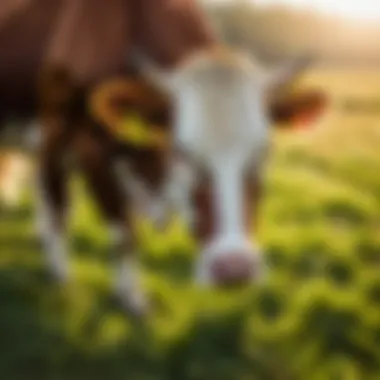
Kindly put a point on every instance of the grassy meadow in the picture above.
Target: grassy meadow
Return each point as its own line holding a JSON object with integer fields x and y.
{"x": 316, "y": 317}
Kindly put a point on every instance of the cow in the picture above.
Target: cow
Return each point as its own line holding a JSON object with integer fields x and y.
{"x": 210, "y": 105}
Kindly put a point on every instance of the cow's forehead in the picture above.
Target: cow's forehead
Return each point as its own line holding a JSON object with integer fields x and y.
{"x": 216, "y": 65}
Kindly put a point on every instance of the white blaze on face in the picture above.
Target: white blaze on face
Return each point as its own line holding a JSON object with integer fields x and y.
{"x": 221, "y": 123}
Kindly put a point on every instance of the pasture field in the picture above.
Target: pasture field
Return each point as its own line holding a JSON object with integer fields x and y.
{"x": 316, "y": 317}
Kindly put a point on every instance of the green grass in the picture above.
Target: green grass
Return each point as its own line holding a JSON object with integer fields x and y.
{"x": 316, "y": 317}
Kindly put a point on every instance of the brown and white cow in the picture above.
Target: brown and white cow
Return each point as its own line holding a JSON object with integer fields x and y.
{"x": 210, "y": 168}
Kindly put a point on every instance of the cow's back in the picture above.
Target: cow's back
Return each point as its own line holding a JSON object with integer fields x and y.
{"x": 86, "y": 38}
{"x": 24, "y": 35}
{"x": 91, "y": 38}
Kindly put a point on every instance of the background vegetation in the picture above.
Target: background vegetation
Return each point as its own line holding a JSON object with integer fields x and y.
{"x": 278, "y": 32}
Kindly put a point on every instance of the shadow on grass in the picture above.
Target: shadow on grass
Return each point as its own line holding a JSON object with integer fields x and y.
{"x": 38, "y": 339}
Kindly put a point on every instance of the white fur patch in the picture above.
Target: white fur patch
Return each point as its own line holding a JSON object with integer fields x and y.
{"x": 127, "y": 273}
{"x": 127, "y": 284}
{"x": 53, "y": 237}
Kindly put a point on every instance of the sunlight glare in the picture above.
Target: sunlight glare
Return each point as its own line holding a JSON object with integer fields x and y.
{"x": 353, "y": 9}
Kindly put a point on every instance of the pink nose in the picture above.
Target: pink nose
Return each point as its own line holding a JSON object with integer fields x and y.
{"x": 234, "y": 269}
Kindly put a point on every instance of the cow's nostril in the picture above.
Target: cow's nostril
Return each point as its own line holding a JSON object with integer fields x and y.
{"x": 234, "y": 269}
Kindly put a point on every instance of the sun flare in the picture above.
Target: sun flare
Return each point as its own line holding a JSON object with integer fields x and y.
{"x": 363, "y": 10}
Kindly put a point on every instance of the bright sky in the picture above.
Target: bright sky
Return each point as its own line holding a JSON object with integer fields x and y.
{"x": 353, "y": 9}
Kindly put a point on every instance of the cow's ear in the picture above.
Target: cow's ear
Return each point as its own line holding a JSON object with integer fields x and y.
{"x": 298, "y": 109}
{"x": 277, "y": 78}
{"x": 164, "y": 80}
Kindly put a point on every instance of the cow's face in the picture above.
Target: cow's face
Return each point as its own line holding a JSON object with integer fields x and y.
{"x": 221, "y": 135}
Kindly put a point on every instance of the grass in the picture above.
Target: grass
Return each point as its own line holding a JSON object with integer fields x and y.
{"x": 316, "y": 317}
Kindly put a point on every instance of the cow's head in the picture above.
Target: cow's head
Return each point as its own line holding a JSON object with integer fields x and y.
{"x": 222, "y": 103}
{"x": 219, "y": 138}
